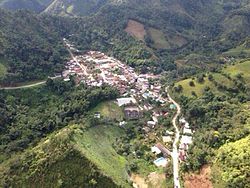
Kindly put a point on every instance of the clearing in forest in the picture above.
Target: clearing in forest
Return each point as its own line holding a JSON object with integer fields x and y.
{"x": 158, "y": 38}
{"x": 136, "y": 29}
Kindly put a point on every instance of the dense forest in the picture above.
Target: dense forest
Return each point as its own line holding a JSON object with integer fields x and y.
{"x": 29, "y": 115}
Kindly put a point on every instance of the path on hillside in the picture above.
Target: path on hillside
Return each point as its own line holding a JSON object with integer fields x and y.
{"x": 175, "y": 153}
{"x": 29, "y": 85}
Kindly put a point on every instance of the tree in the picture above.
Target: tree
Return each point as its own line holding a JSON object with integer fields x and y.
{"x": 210, "y": 77}
{"x": 193, "y": 94}
{"x": 200, "y": 79}
{"x": 178, "y": 89}
{"x": 191, "y": 83}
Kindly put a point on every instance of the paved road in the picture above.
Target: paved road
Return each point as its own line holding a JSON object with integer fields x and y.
{"x": 175, "y": 153}
{"x": 28, "y": 86}
{"x": 23, "y": 87}
{"x": 76, "y": 60}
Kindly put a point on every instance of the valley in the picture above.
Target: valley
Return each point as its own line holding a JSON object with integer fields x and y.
{"x": 131, "y": 93}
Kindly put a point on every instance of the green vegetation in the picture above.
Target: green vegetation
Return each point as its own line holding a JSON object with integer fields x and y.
{"x": 200, "y": 87}
{"x": 30, "y": 114}
{"x": 158, "y": 38}
{"x": 73, "y": 157}
{"x": 233, "y": 164}
{"x": 240, "y": 69}
{"x": 216, "y": 82}
{"x": 96, "y": 145}
{"x": 239, "y": 51}
{"x": 220, "y": 115}
{"x": 31, "y": 47}
{"x": 3, "y": 71}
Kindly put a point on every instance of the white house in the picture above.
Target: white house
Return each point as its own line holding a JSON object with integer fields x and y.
{"x": 125, "y": 101}
{"x": 155, "y": 150}
{"x": 166, "y": 139}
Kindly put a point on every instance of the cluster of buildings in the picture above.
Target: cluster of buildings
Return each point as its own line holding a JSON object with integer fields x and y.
{"x": 186, "y": 139}
{"x": 95, "y": 69}
{"x": 138, "y": 94}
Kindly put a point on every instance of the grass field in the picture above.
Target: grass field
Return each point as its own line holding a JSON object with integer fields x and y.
{"x": 239, "y": 50}
{"x": 159, "y": 39}
{"x": 233, "y": 70}
{"x": 200, "y": 87}
{"x": 96, "y": 145}
{"x": 240, "y": 68}
{"x": 109, "y": 110}
{"x": 70, "y": 9}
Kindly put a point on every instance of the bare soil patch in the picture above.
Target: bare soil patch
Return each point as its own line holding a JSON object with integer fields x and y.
{"x": 201, "y": 180}
{"x": 154, "y": 179}
{"x": 136, "y": 29}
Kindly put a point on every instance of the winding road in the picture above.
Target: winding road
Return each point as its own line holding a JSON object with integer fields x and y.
{"x": 175, "y": 153}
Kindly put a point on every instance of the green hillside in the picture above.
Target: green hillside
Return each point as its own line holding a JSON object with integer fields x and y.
{"x": 109, "y": 110}
{"x": 240, "y": 69}
{"x": 70, "y": 158}
{"x": 232, "y": 167}
{"x": 75, "y": 8}
{"x": 30, "y": 45}
{"x": 34, "y": 5}
{"x": 217, "y": 81}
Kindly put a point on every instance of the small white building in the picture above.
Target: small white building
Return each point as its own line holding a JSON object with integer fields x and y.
{"x": 155, "y": 150}
{"x": 122, "y": 123}
{"x": 125, "y": 101}
{"x": 186, "y": 139}
{"x": 187, "y": 131}
{"x": 151, "y": 124}
{"x": 166, "y": 139}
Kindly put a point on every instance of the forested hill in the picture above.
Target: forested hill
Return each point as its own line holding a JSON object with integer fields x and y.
{"x": 33, "y": 5}
{"x": 173, "y": 29}
{"x": 31, "y": 47}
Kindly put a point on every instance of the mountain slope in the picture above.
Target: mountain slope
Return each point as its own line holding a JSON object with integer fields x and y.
{"x": 31, "y": 48}
{"x": 33, "y": 5}
{"x": 231, "y": 168}
{"x": 75, "y": 7}
{"x": 69, "y": 158}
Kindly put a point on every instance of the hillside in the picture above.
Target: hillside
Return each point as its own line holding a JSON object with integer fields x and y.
{"x": 74, "y": 8}
{"x": 219, "y": 83}
{"x": 231, "y": 167}
{"x": 31, "y": 48}
{"x": 217, "y": 107}
{"x": 33, "y": 5}
{"x": 73, "y": 157}
{"x": 167, "y": 30}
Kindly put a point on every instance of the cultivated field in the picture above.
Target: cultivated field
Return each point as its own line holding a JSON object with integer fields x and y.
{"x": 136, "y": 29}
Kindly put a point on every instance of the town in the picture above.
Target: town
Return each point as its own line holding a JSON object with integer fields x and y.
{"x": 139, "y": 93}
